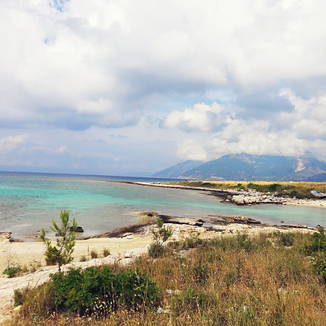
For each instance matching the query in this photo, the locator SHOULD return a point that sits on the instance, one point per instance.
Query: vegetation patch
(299, 190)
(268, 279)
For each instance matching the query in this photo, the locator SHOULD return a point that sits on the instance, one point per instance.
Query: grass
(105, 252)
(292, 189)
(232, 280)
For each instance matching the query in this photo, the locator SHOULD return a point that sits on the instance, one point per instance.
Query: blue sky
(125, 87)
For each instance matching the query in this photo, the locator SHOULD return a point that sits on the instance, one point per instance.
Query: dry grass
(297, 189)
(229, 281)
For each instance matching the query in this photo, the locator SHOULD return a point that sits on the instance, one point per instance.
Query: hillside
(258, 167)
(177, 170)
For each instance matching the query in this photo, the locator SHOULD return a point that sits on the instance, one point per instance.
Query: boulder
(79, 229)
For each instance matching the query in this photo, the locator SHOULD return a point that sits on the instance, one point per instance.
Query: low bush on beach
(96, 291)
(230, 280)
(94, 254)
(106, 252)
(12, 271)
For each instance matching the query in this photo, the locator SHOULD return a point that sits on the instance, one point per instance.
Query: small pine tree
(61, 253)
(163, 234)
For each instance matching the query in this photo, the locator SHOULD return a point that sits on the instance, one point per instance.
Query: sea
(29, 202)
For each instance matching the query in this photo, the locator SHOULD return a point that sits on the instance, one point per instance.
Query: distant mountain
(257, 167)
(176, 170)
(321, 177)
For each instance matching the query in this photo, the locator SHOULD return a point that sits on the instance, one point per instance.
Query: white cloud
(94, 65)
(95, 53)
(201, 118)
(303, 128)
(192, 150)
(11, 142)
(61, 150)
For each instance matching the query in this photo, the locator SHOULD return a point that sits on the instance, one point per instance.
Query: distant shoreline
(221, 193)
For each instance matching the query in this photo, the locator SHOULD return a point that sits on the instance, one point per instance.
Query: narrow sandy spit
(319, 203)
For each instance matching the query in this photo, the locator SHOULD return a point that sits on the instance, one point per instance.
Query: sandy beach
(320, 203)
(32, 253)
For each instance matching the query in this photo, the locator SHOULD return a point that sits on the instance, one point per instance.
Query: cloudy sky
(121, 87)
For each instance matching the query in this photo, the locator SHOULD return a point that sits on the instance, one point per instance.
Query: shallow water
(28, 202)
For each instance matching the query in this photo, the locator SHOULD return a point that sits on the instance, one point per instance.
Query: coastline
(224, 194)
(121, 240)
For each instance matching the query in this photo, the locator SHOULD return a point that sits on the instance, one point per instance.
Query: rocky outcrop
(224, 220)
(253, 197)
(181, 220)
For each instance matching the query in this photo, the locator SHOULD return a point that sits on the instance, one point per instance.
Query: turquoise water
(28, 202)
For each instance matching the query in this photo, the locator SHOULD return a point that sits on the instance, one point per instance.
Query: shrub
(318, 242)
(99, 291)
(106, 252)
(12, 271)
(82, 258)
(94, 253)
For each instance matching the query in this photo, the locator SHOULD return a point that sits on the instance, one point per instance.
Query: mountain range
(247, 167)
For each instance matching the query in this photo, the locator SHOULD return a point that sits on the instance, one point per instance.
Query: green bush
(99, 291)
(12, 271)
(318, 242)
(106, 252)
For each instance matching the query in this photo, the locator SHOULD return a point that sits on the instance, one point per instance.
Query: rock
(234, 219)
(79, 229)
(181, 220)
(17, 308)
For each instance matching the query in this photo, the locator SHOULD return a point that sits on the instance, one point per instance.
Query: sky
(130, 87)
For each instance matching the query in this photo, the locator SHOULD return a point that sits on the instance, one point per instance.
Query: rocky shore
(241, 197)
(252, 197)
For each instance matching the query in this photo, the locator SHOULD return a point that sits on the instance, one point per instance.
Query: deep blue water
(29, 201)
